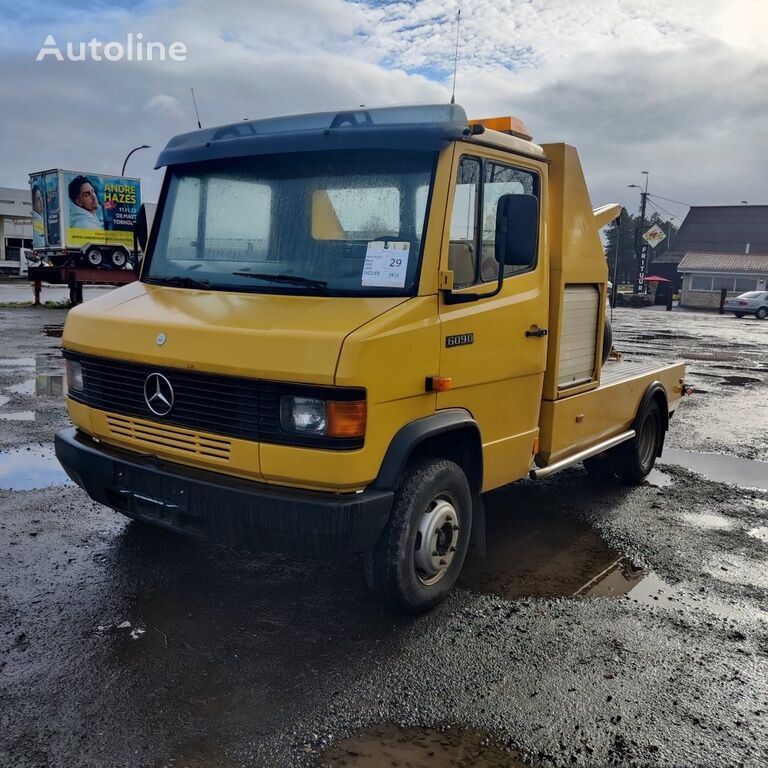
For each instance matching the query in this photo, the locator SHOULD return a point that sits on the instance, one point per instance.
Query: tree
(625, 233)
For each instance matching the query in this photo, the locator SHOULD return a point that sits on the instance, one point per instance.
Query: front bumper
(222, 509)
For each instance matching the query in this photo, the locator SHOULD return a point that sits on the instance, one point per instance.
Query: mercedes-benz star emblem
(160, 340)
(158, 394)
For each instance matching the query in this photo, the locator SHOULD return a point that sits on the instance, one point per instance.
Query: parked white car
(749, 303)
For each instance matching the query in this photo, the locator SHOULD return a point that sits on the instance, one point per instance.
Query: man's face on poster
(87, 198)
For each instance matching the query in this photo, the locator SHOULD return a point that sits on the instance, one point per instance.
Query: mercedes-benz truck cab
(348, 327)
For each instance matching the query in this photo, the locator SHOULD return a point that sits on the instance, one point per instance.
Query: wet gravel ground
(124, 645)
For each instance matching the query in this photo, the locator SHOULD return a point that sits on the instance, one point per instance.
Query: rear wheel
(634, 459)
(419, 554)
(739, 314)
(94, 257)
(118, 259)
(761, 313)
(607, 340)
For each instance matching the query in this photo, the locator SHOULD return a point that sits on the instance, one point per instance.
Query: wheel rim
(647, 446)
(118, 258)
(436, 540)
(95, 257)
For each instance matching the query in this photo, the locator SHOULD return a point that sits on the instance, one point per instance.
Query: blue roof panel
(409, 127)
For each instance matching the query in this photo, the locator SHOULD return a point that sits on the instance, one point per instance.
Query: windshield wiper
(181, 282)
(297, 280)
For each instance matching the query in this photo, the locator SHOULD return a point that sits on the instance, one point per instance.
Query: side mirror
(517, 230)
(141, 229)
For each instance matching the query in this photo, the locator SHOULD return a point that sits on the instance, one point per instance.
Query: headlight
(74, 373)
(304, 415)
(323, 418)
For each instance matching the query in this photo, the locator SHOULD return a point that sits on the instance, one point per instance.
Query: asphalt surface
(607, 625)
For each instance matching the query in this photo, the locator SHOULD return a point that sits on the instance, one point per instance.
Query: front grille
(221, 405)
(159, 435)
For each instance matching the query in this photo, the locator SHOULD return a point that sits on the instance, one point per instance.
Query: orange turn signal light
(346, 418)
(439, 383)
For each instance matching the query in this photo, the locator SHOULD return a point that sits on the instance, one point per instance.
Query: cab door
(494, 349)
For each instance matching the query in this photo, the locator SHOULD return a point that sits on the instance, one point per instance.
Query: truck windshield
(342, 223)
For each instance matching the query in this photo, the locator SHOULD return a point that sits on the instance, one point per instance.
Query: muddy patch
(26, 469)
(389, 746)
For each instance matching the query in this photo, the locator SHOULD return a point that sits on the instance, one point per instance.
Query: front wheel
(419, 554)
(761, 313)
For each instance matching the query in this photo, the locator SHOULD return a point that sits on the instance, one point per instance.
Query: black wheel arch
(449, 434)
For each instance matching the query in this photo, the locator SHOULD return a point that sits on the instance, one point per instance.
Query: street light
(135, 149)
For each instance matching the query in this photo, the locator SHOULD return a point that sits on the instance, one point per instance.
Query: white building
(15, 222)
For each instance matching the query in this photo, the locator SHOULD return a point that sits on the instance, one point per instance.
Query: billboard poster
(37, 188)
(101, 209)
(52, 209)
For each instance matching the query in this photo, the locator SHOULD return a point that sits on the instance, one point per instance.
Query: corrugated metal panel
(754, 263)
(578, 336)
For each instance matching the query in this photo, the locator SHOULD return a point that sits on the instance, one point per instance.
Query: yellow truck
(348, 327)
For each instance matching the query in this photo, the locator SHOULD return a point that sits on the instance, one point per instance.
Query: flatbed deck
(76, 277)
(574, 423)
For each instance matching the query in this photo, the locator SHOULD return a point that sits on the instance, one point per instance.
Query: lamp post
(135, 149)
(641, 250)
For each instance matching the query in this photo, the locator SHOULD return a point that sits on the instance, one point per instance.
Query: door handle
(536, 332)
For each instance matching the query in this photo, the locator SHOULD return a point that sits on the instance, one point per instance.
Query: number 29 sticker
(386, 264)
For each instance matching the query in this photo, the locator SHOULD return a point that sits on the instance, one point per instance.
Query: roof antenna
(194, 101)
(456, 56)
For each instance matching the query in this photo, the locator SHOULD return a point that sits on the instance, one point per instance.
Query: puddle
(45, 384)
(657, 479)
(539, 554)
(739, 381)
(389, 746)
(739, 570)
(24, 469)
(18, 416)
(545, 554)
(747, 473)
(759, 533)
(17, 362)
(707, 520)
(54, 330)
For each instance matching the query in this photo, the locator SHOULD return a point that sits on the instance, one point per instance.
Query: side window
(463, 246)
(501, 180)
(479, 185)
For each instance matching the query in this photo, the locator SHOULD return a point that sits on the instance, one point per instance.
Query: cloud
(674, 88)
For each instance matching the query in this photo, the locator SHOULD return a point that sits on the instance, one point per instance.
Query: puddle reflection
(25, 469)
(747, 473)
(537, 553)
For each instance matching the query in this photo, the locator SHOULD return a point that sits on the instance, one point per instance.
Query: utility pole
(641, 246)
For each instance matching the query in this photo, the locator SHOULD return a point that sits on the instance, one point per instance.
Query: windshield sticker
(386, 264)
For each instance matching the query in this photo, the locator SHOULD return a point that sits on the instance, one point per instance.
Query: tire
(118, 259)
(433, 501)
(739, 314)
(607, 340)
(94, 257)
(633, 460)
(600, 468)
(761, 313)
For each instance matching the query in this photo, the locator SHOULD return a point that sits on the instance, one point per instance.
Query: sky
(679, 89)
